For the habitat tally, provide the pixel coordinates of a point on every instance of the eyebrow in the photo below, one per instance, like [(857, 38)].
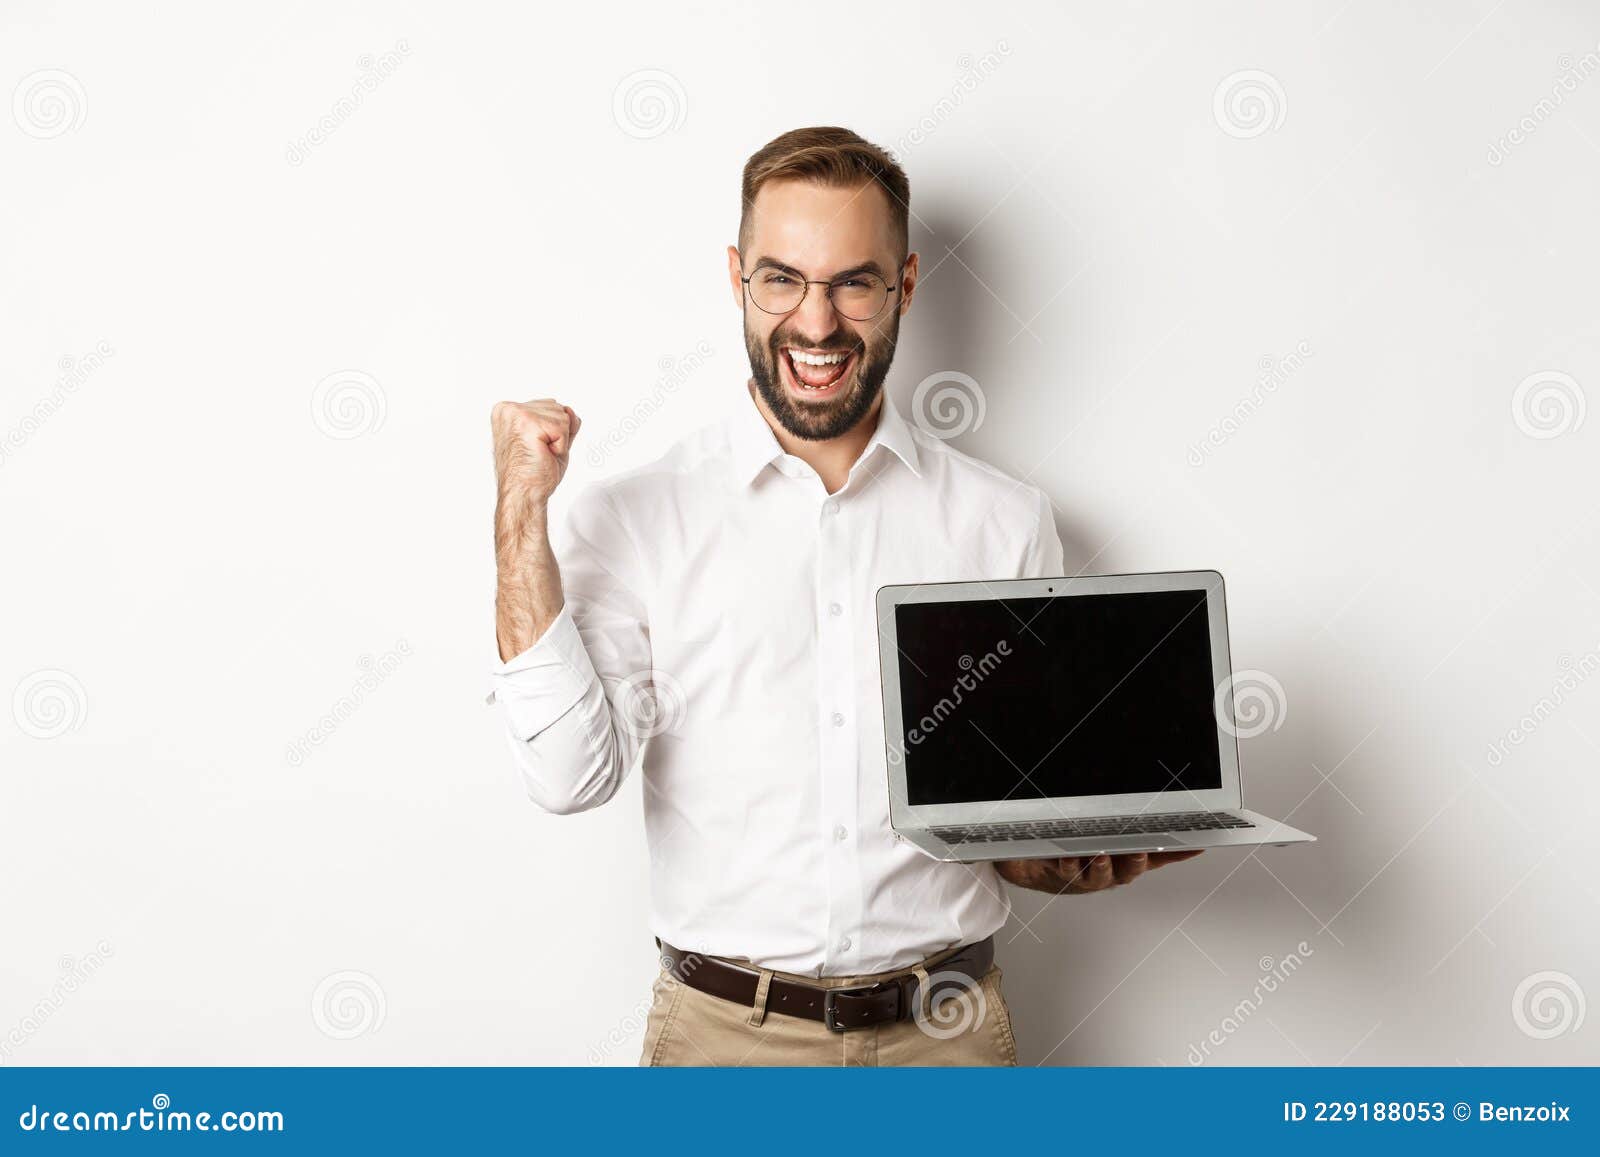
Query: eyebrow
[(864, 267)]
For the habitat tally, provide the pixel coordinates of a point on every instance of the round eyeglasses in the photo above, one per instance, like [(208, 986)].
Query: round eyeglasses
[(857, 296)]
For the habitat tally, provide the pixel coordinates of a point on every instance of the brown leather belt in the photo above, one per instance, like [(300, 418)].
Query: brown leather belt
[(895, 998)]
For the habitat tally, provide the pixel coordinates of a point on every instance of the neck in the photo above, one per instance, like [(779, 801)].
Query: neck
[(831, 458)]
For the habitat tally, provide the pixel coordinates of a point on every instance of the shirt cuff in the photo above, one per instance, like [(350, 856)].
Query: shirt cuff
[(543, 683)]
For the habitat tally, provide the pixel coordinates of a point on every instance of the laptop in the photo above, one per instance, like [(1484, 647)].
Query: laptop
[(1034, 718)]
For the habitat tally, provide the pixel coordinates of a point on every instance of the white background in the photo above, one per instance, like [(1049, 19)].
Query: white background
[(203, 553)]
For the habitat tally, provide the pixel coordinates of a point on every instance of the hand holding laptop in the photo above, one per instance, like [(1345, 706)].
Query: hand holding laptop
[(1076, 875)]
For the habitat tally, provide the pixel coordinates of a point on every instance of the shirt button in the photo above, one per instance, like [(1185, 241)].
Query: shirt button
[(838, 720), (839, 832), (835, 609), (844, 945), (830, 507)]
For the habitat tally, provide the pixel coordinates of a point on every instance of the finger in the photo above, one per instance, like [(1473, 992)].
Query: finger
[(557, 434), (574, 423), (1098, 875), (1130, 867), (1162, 859), (1065, 873)]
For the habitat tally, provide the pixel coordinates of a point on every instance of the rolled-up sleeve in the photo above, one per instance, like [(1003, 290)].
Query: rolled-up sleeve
[(572, 742)]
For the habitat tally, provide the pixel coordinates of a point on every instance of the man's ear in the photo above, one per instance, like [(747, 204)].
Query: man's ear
[(908, 283), (735, 277)]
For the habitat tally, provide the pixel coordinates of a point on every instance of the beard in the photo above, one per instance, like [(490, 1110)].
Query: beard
[(820, 421)]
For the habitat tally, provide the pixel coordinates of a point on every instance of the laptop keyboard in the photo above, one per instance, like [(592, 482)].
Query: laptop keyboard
[(1095, 826)]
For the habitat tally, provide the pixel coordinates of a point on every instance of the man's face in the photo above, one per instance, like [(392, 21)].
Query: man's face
[(816, 232)]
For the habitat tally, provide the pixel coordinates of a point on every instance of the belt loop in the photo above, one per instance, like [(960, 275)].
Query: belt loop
[(924, 993), (758, 1011)]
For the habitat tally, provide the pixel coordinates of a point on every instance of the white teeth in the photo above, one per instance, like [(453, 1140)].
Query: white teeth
[(817, 359)]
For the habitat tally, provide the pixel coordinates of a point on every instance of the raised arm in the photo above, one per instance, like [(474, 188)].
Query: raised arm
[(532, 441), (562, 645)]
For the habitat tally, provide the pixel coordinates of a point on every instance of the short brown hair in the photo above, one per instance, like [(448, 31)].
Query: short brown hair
[(830, 156)]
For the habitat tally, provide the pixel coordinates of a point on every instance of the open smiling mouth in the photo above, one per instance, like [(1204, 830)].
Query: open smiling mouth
[(816, 374)]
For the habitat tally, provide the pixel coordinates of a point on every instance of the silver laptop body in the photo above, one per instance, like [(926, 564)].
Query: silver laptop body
[(1021, 725)]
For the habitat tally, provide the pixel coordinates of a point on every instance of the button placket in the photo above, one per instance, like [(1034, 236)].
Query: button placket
[(837, 739)]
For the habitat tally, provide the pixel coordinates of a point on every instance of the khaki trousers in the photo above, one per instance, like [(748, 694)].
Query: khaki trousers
[(688, 1027)]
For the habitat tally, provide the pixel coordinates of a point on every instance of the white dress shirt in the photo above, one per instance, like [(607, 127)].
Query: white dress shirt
[(720, 615)]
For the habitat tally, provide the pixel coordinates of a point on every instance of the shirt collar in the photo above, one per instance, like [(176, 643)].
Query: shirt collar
[(754, 446)]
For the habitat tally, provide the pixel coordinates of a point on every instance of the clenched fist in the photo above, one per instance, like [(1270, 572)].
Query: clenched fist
[(532, 441)]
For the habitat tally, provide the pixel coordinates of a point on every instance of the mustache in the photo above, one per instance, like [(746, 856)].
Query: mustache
[(779, 340)]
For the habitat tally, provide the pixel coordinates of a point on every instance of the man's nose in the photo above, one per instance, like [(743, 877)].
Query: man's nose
[(816, 317)]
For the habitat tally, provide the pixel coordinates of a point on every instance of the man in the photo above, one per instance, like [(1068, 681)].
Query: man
[(716, 608)]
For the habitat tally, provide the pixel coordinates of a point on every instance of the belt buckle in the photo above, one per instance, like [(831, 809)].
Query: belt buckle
[(830, 1010)]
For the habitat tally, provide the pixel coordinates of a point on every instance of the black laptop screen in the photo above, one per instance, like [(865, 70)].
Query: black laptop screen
[(1037, 698)]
